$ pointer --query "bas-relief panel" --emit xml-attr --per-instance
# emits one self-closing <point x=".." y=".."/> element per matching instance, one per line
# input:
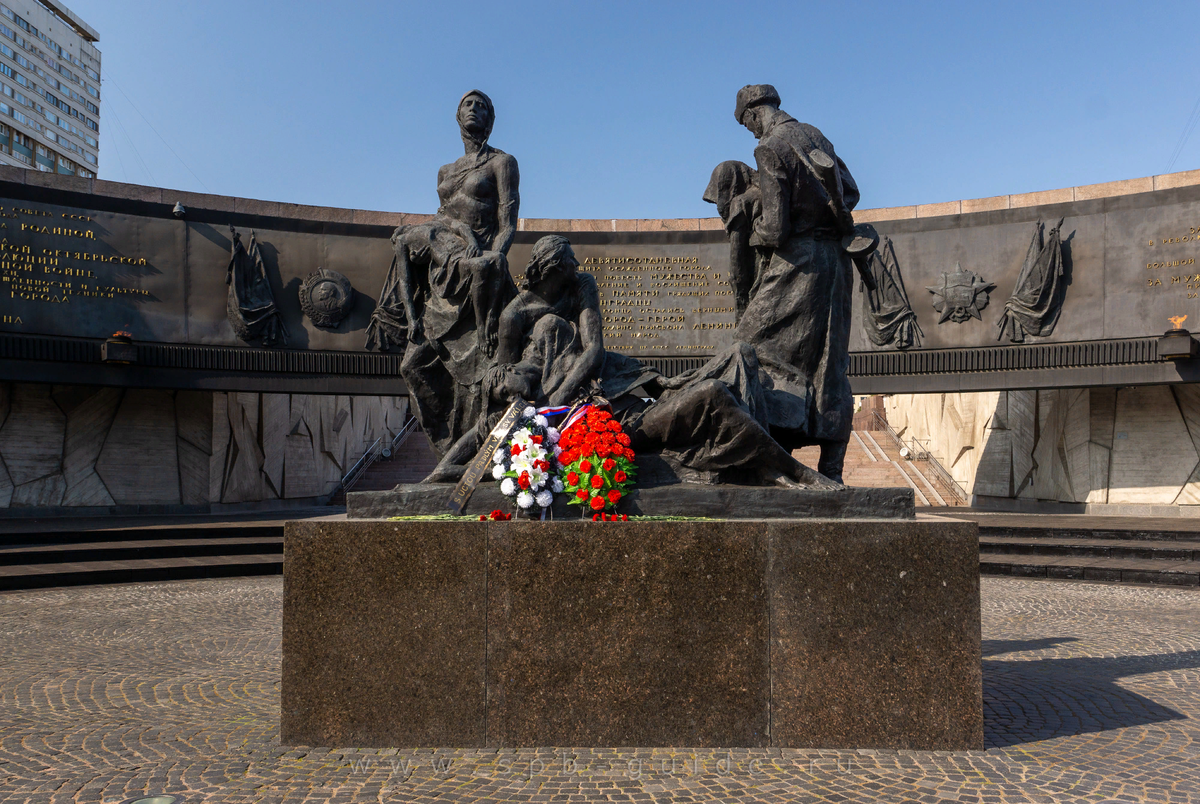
<point x="995" y="252"/>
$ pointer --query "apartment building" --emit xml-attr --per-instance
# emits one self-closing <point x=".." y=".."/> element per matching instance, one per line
<point x="49" y="89"/>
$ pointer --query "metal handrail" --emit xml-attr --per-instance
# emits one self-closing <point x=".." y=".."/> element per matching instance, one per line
<point x="373" y="453"/>
<point x="918" y="452"/>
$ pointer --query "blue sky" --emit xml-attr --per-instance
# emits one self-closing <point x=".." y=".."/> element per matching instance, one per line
<point x="622" y="109"/>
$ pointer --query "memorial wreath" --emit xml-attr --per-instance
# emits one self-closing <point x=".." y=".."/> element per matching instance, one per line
<point x="526" y="464"/>
<point x="598" y="468"/>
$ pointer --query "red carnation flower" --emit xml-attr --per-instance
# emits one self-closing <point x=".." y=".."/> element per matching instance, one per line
<point x="597" y="503"/>
<point x="523" y="480"/>
<point x="597" y="517"/>
<point x="483" y="517"/>
<point x="624" y="517"/>
<point x="585" y="467"/>
<point x="573" y="478"/>
<point x="597" y="481"/>
<point x="614" y="496"/>
<point x="623" y="439"/>
<point x="609" y="464"/>
<point x="581" y="494"/>
<point x="614" y="426"/>
<point x="620" y="476"/>
<point x="516" y="449"/>
<point x="536" y="439"/>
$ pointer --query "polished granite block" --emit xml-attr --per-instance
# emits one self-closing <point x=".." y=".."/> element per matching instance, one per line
<point x="648" y="633"/>
<point x="789" y="633"/>
<point x="875" y="635"/>
<point x="383" y="633"/>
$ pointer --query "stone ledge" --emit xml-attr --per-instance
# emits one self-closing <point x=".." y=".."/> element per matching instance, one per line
<point x="210" y="201"/>
<point x="683" y="499"/>
<point x="785" y="633"/>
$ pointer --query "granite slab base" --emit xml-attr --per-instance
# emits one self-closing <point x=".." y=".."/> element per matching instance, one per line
<point x="809" y="633"/>
<point x="680" y="499"/>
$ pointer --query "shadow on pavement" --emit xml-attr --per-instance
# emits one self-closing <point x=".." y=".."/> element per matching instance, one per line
<point x="1040" y="699"/>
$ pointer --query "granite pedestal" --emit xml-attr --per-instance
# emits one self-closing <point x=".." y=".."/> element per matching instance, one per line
<point x="790" y="633"/>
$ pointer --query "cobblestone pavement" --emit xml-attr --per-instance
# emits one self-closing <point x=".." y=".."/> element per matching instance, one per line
<point x="1091" y="693"/>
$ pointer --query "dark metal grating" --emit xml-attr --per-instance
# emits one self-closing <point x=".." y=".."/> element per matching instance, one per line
<point x="1005" y="358"/>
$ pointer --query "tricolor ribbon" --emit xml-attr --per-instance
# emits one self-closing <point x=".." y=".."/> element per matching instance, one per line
<point x="554" y="411"/>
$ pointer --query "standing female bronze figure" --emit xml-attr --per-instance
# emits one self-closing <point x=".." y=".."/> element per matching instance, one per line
<point x="451" y="276"/>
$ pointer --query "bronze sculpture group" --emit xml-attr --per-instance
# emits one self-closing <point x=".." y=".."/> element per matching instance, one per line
<point x="474" y="342"/>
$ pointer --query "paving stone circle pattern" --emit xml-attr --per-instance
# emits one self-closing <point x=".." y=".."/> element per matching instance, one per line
<point x="1091" y="693"/>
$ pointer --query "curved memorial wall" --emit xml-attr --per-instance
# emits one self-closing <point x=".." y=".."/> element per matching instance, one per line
<point x="133" y="376"/>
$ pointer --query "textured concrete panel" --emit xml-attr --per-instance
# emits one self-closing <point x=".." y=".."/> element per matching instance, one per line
<point x="88" y="423"/>
<point x="193" y="473"/>
<point x="6" y="487"/>
<point x="1050" y="481"/>
<point x="1022" y="419"/>
<point x="221" y="439"/>
<point x="1152" y="454"/>
<point x="139" y="463"/>
<point x="88" y="490"/>
<point x="301" y="475"/>
<point x="1187" y="396"/>
<point x="31" y="440"/>
<point x="243" y="480"/>
<point x="275" y="412"/>
<point x="194" y="418"/>
<point x="301" y="478"/>
<point x="1076" y="435"/>
<point x="45" y="492"/>
<point x="1102" y="411"/>
<point x="993" y="475"/>
<point x="383" y="634"/>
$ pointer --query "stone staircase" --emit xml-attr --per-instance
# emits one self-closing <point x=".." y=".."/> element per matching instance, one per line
<point x="411" y="463"/>
<point x="51" y="552"/>
<point x="873" y="460"/>
<point x="1149" y="551"/>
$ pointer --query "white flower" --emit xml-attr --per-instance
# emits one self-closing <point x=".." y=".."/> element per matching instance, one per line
<point x="507" y="487"/>
<point x="525" y="499"/>
<point x="528" y="413"/>
<point x="544" y="499"/>
<point x="499" y="456"/>
<point x="556" y="485"/>
<point x="541" y="420"/>
<point x="498" y="471"/>
<point x="553" y="435"/>
<point x="522" y="464"/>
